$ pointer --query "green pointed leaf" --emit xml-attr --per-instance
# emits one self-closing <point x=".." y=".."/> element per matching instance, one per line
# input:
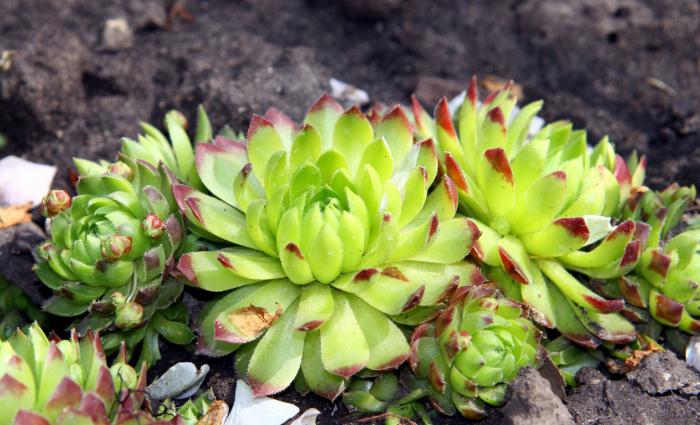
<point x="398" y="133"/>
<point x="323" y="116"/>
<point x="351" y="135"/>
<point x="218" y="165"/>
<point x="454" y="239"/>
<point x="387" y="345"/>
<point x="496" y="181"/>
<point x="213" y="216"/>
<point x="378" y="155"/>
<point x="258" y="230"/>
<point x="263" y="142"/>
<point x="306" y="147"/>
<point x="325" y="255"/>
<point x="445" y="132"/>
<point x="545" y="198"/>
<point x="388" y="290"/>
<point x="352" y="235"/>
<point x="315" y="307"/>
<point x="344" y="349"/>
<point x="203" y="133"/>
<point x="319" y="380"/>
<point x="181" y="145"/>
<point x="575" y="290"/>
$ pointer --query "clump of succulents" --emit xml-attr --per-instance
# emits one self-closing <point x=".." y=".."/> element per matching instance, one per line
<point x="50" y="381"/>
<point x="329" y="230"/>
<point x="389" y="396"/>
<point x="543" y="204"/>
<point x="113" y="244"/>
<point x="473" y="349"/>
<point x="666" y="280"/>
<point x="16" y="309"/>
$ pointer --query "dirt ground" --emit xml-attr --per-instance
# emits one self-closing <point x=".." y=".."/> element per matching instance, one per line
<point x="627" y="68"/>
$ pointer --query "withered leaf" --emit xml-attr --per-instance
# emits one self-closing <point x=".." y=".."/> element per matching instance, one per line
<point x="15" y="214"/>
<point x="215" y="415"/>
<point x="252" y="320"/>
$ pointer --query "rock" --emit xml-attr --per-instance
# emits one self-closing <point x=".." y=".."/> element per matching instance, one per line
<point x="117" y="35"/>
<point x="662" y="373"/>
<point x="16" y="259"/>
<point x="599" y="400"/>
<point x="533" y="402"/>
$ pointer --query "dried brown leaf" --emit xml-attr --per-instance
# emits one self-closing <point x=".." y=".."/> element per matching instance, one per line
<point x="15" y="214"/>
<point x="252" y="320"/>
<point x="215" y="415"/>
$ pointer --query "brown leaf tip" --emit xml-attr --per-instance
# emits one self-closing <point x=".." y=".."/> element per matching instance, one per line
<point x="499" y="162"/>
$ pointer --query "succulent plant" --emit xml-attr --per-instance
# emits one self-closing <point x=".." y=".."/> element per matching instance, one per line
<point x="113" y="244"/>
<point x="190" y="412"/>
<point x="666" y="280"/>
<point x="68" y="382"/>
<point x="543" y="204"/>
<point x="570" y="358"/>
<point x="398" y="399"/>
<point x="473" y="349"/>
<point x="328" y="231"/>
<point x="16" y="309"/>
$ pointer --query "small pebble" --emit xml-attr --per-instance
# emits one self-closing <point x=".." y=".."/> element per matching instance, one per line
<point x="117" y="35"/>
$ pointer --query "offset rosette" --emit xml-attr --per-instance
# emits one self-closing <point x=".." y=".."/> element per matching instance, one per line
<point x="543" y="204"/>
<point x="334" y="228"/>
<point x="473" y="349"/>
<point x="666" y="279"/>
<point x="112" y="245"/>
<point x="67" y="382"/>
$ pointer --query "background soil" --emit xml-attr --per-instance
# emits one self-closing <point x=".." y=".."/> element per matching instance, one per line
<point x="627" y="68"/>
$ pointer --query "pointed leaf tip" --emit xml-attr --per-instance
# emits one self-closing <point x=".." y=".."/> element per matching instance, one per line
<point x="499" y="162"/>
<point x="605" y="306"/>
<point x="325" y="102"/>
<point x="455" y="172"/>
<point x="622" y="172"/>
<point x="444" y="118"/>
<point x="181" y="192"/>
<point x="576" y="227"/>
<point x="277" y="117"/>
<point x="511" y="267"/>
<point x="397" y="113"/>
<point x="472" y="90"/>
<point x="256" y="123"/>
<point x="414" y="299"/>
<point x="452" y="193"/>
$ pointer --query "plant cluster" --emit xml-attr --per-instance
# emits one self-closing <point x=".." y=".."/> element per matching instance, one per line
<point x="344" y="246"/>
<point x="68" y="382"/>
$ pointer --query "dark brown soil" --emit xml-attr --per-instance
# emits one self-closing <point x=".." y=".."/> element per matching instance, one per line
<point x="627" y="68"/>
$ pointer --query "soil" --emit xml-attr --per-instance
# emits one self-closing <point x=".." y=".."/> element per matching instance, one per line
<point x="627" y="68"/>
